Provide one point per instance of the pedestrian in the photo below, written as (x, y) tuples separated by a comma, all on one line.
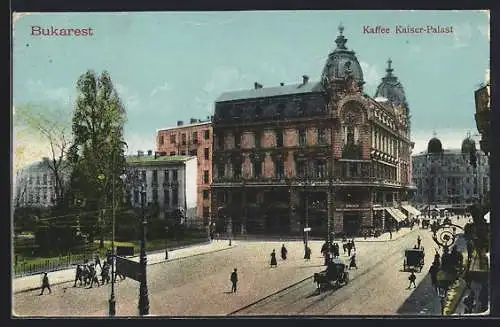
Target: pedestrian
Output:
[(349, 248), (353, 245), (283, 252), (336, 250), (352, 263), (45, 283), (307, 253), (234, 280), (274, 263), (412, 279), (98, 261), (419, 241), (79, 275), (470, 302), (433, 271), (390, 234), (93, 276), (105, 273)]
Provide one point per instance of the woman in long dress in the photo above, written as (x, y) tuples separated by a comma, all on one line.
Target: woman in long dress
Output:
[(274, 263)]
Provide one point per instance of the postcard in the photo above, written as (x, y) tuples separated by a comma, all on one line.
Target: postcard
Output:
[(251, 163)]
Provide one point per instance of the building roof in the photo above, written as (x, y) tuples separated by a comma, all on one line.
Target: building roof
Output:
[(434, 146), (468, 145), (264, 92), (445, 152), (145, 159), (391, 88), (184, 126)]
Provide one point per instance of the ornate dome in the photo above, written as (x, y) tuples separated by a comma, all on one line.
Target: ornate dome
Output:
[(468, 145), (342, 62), (434, 146), (390, 88)]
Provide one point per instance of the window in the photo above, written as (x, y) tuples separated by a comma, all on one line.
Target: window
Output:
[(221, 171), (183, 153), (353, 169), (205, 177), (143, 176), (237, 170), (321, 136), (257, 169), (280, 111), (301, 110), (193, 152), (155, 177), (301, 168), (302, 137), (166, 197), (175, 175), (136, 196), (155, 195), (206, 194), (279, 168), (44, 179), (237, 140), (321, 168), (194, 137), (161, 141), (175, 197), (166, 176), (279, 139), (172, 153), (220, 141), (257, 139), (183, 139), (206, 153), (258, 112), (38, 180), (207, 134), (173, 138), (206, 213)]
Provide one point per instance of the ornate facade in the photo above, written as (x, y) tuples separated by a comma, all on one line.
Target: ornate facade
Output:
[(445, 177), (319, 154)]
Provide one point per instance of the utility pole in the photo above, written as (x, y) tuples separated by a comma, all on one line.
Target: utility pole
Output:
[(143, 288), (112, 302)]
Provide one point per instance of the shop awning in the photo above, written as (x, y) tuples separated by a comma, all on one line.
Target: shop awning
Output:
[(412, 210), (396, 214)]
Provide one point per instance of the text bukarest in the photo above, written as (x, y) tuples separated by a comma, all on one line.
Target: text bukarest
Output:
[(53, 31)]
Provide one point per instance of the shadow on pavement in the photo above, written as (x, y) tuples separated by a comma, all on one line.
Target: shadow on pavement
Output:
[(423, 300)]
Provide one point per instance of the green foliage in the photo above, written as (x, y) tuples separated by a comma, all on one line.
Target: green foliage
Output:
[(97, 153)]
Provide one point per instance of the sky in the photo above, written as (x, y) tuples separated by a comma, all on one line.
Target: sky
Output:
[(172, 66)]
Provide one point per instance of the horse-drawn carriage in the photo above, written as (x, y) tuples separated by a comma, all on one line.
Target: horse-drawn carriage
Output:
[(414, 259), (335, 274), (426, 223)]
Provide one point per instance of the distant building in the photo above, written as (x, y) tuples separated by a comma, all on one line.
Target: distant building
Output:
[(193, 139), (35, 185), (170, 184), (446, 178), (323, 155)]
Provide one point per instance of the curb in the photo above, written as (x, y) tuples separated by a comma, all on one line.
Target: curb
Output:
[(152, 264), (268, 296)]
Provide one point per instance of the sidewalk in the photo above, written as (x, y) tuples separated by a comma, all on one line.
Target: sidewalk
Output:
[(30, 283)]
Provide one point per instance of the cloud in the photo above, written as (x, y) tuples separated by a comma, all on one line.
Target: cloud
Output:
[(143, 141), (462, 35), (164, 88), (130, 100), (370, 74), (450, 139), (60, 94), (28, 147)]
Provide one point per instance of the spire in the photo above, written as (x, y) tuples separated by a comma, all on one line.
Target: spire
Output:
[(341, 40), (389, 69)]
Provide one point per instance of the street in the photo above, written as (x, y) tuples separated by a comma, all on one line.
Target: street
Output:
[(199, 285)]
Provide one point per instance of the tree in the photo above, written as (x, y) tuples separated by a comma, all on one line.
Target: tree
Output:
[(53, 126), (97, 153)]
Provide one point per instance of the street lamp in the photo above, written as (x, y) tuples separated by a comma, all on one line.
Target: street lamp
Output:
[(306, 225), (166, 249), (143, 288)]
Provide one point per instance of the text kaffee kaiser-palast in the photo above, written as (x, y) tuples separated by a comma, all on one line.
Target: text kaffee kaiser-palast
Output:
[(407, 29)]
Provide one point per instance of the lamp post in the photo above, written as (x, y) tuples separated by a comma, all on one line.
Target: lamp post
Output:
[(143, 288), (306, 223), (166, 248)]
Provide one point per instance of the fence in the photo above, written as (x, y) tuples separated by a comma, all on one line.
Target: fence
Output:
[(22, 269)]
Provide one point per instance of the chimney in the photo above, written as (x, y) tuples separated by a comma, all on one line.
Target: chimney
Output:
[(150, 152), (257, 85), (140, 153), (157, 154), (180, 123), (305, 79), (282, 84), (193, 121)]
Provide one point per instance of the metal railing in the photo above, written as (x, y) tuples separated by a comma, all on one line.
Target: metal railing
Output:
[(22, 269)]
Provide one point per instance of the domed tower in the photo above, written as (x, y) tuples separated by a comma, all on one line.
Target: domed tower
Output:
[(468, 145), (342, 63), (434, 146), (392, 89)]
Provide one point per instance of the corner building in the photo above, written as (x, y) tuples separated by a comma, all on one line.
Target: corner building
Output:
[(319, 154)]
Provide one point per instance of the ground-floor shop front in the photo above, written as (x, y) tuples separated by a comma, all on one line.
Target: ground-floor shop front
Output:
[(287, 210)]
